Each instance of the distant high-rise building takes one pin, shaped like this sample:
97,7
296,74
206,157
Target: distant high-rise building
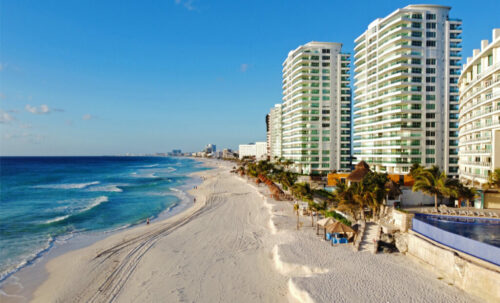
316,108
268,136
257,150
406,90
479,139
210,148
275,131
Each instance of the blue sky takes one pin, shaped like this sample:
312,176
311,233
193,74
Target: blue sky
111,77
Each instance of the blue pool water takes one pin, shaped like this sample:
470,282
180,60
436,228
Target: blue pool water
480,229
48,198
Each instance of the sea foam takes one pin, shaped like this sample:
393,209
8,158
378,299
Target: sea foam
68,185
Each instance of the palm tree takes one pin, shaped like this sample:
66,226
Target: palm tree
467,193
296,209
433,182
494,178
415,170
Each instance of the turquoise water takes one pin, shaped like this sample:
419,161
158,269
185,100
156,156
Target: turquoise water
47,198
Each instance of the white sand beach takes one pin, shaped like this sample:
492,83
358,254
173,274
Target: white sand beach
234,245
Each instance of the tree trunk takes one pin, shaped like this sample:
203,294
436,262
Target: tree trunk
436,201
297,220
312,219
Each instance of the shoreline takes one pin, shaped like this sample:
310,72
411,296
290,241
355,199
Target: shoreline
235,244
20,284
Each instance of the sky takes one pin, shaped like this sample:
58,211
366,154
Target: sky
115,77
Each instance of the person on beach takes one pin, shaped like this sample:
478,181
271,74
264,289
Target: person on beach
147,221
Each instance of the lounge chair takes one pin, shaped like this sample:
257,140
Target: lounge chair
343,241
462,213
444,211
335,241
494,215
470,213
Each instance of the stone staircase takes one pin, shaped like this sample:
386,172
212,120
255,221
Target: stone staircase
370,237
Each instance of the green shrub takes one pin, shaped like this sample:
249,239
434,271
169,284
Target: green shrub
338,217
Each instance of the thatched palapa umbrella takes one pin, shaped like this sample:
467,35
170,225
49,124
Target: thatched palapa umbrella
323,223
340,228
360,170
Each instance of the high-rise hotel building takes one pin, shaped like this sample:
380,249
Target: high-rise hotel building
479,139
316,108
275,133
406,90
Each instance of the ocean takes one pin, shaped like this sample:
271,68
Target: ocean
44,199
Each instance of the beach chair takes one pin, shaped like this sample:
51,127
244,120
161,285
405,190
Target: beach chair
444,211
494,215
343,240
452,212
470,213
335,241
462,213
328,236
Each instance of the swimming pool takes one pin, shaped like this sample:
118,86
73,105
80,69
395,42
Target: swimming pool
484,230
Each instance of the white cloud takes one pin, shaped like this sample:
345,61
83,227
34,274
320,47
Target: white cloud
188,4
244,67
41,110
5,117
87,117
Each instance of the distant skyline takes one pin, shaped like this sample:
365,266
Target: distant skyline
109,77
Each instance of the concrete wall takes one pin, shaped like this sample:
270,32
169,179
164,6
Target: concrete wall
476,278
402,220
410,198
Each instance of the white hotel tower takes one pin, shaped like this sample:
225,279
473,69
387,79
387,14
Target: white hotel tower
316,110
406,95
480,113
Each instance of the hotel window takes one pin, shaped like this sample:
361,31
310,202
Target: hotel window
479,68
431,25
430,160
430,106
430,151
430,70
430,116
430,124
325,125
326,57
490,60
325,51
430,142
430,79
416,16
416,34
430,16
325,71
416,43
325,64
430,34
430,61
325,77
431,43
430,88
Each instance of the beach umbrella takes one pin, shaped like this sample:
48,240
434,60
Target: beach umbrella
339,227
324,222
